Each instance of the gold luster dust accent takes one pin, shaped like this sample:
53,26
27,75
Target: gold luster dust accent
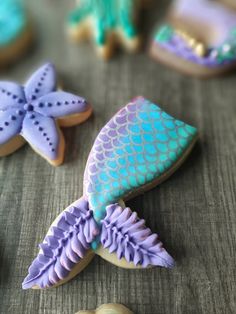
198,47
200,50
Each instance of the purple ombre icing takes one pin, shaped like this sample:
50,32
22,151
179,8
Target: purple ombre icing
139,145
66,243
126,235
214,17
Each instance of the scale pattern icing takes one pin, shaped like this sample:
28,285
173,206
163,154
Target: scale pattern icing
139,144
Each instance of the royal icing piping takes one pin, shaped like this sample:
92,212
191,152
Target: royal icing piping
31,110
107,15
12,21
139,144
223,52
121,231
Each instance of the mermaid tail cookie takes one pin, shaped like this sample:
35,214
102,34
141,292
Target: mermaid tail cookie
136,150
199,38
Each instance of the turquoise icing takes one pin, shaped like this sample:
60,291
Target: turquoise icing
149,141
107,15
12,20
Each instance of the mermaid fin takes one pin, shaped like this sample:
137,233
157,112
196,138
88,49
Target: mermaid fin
128,243
65,250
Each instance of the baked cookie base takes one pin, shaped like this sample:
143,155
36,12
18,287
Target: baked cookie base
68,121
186,67
110,308
17,48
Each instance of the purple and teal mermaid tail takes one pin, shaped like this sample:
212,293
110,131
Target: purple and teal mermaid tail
136,149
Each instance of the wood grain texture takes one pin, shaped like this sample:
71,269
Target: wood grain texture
194,211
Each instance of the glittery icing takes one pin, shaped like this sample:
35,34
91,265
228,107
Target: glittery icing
12,21
107,15
222,50
136,147
31,110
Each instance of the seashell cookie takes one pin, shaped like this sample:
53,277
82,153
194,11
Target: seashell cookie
15,31
140,147
110,308
34,112
108,23
198,38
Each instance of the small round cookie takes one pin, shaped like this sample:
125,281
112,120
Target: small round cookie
15,31
34,113
111,308
195,44
109,23
140,147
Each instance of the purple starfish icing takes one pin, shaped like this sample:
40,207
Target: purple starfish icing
32,111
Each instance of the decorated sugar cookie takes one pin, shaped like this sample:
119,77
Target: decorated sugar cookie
199,38
34,113
137,149
106,22
108,309
15,31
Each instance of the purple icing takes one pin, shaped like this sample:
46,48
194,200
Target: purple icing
178,47
208,13
124,233
222,21
64,246
70,237
31,110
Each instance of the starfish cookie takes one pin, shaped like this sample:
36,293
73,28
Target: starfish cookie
195,44
110,308
106,21
15,32
137,149
35,111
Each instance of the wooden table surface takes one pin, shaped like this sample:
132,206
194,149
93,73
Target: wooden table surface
193,211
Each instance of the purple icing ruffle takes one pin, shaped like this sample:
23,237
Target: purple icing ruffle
71,236
64,246
178,47
124,233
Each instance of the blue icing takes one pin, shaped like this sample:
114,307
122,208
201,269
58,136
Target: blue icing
162,137
163,148
155,144
148,138
131,159
12,21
